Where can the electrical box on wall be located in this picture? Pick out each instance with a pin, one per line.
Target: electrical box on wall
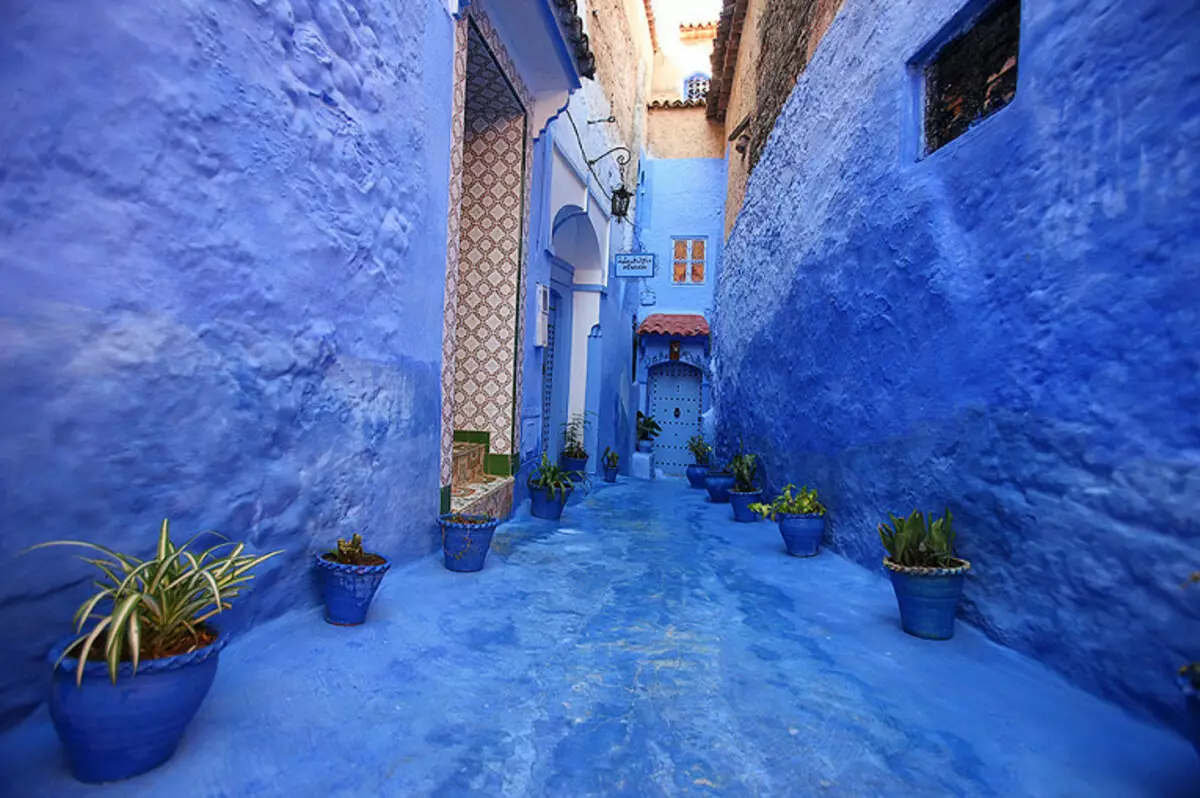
(542, 334)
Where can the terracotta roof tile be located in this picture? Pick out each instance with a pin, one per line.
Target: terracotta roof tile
(697, 103)
(681, 324)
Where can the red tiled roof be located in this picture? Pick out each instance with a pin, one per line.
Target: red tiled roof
(681, 324)
(697, 103)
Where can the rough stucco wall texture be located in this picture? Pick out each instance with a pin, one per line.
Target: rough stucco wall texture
(1007, 327)
(221, 251)
(684, 133)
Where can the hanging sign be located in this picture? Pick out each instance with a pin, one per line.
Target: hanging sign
(635, 264)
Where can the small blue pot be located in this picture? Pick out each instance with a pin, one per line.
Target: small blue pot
(112, 731)
(573, 464)
(1191, 698)
(928, 598)
(465, 546)
(718, 484)
(696, 474)
(610, 474)
(645, 447)
(544, 505)
(348, 589)
(801, 533)
(741, 501)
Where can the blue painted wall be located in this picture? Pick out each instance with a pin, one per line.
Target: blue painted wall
(682, 197)
(1007, 327)
(221, 244)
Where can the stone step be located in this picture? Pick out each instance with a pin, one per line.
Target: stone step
(491, 495)
(468, 462)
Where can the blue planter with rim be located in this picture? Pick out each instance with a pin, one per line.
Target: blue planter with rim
(645, 447)
(610, 474)
(741, 501)
(928, 598)
(546, 504)
(696, 474)
(718, 484)
(112, 731)
(349, 589)
(1191, 696)
(465, 542)
(801, 533)
(573, 464)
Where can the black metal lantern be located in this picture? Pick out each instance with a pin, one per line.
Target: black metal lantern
(620, 201)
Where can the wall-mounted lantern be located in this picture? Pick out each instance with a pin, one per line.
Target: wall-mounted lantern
(620, 202)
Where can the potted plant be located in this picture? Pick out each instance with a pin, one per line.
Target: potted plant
(610, 461)
(549, 488)
(145, 653)
(801, 519)
(574, 456)
(718, 481)
(744, 492)
(647, 431)
(926, 576)
(466, 539)
(699, 469)
(349, 579)
(1189, 683)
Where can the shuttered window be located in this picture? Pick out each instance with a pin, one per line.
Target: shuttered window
(688, 260)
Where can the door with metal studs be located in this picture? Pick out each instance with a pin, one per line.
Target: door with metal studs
(675, 391)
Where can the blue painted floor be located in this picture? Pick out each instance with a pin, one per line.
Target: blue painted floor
(647, 645)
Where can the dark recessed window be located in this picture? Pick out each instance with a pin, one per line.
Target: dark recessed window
(973, 76)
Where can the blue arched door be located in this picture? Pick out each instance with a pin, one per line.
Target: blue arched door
(675, 403)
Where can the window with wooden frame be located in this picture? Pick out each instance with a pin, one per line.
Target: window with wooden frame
(689, 259)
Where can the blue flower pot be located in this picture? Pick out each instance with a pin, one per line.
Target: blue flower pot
(718, 484)
(465, 545)
(645, 447)
(801, 533)
(610, 474)
(112, 731)
(544, 505)
(696, 474)
(573, 464)
(348, 589)
(741, 501)
(928, 598)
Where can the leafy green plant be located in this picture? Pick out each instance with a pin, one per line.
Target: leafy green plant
(573, 434)
(551, 478)
(611, 458)
(744, 468)
(803, 503)
(918, 542)
(699, 449)
(647, 428)
(157, 607)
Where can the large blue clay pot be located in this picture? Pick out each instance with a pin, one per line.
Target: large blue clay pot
(465, 540)
(928, 598)
(741, 501)
(1192, 699)
(696, 474)
(718, 484)
(547, 505)
(610, 474)
(348, 589)
(572, 464)
(112, 731)
(801, 533)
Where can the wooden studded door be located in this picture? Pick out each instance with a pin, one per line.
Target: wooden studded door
(675, 404)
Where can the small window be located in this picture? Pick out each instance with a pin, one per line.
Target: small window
(688, 260)
(696, 87)
(973, 76)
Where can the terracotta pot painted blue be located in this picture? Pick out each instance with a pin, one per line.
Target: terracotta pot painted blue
(645, 447)
(696, 474)
(112, 731)
(928, 598)
(610, 474)
(718, 484)
(543, 504)
(349, 589)
(741, 501)
(573, 464)
(801, 533)
(1192, 699)
(465, 545)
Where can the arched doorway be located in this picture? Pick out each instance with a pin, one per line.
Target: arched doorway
(676, 401)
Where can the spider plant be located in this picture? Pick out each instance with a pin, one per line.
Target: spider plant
(548, 476)
(918, 542)
(157, 607)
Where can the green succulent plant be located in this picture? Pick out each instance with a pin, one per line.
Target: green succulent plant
(918, 542)
(156, 607)
(349, 550)
(744, 468)
(699, 449)
(803, 503)
(548, 476)
(647, 428)
(611, 458)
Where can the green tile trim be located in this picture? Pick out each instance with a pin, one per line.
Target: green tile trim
(472, 436)
(500, 465)
(444, 500)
